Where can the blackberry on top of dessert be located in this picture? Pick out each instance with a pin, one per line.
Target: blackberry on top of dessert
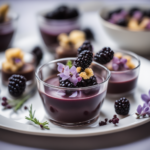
(62, 12)
(134, 19)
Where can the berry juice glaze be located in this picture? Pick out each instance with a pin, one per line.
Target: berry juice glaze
(85, 106)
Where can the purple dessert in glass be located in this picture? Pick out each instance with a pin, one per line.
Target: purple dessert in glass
(71, 106)
(51, 24)
(7, 30)
(123, 82)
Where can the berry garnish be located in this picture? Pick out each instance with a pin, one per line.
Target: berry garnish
(104, 56)
(84, 59)
(122, 22)
(122, 106)
(38, 54)
(85, 46)
(88, 78)
(88, 33)
(114, 120)
(102, 123)
(4, 98)
(66, 83)
(25, 107)
(133, 10)
(17, 85)
(62, 12)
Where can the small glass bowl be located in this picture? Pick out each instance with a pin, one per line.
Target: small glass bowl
(71, 106)
(51, 28)
(28, 70)
(7, 30)
(122, 83)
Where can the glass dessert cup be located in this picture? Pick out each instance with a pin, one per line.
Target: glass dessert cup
(28, 70)
(51, 28)
(123, 83)
(71, 106)
(7, 30)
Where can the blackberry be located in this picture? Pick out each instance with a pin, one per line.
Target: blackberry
(17, 85)
(37, 52)
(133, 10)
(87, 82)
(122, 106)
(85, 46)
(89, 34)
(66, 83)
(84, 59)
(104, 56)
(122, 22)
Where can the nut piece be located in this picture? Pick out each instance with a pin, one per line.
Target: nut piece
(75, 36)
(3, 12)
(14, 60)
(78, 69)
(72, 41)
(88, 72)
(144, 23)
(118, 55)
(133, 25)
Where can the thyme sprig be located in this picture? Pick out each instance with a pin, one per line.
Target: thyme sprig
(36, 121)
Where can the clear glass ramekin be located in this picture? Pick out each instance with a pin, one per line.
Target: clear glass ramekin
(51, 28)
(123, 83)
(7, 30)
(71, 106)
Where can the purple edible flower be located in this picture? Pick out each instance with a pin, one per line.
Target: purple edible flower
(144, 110)
(148, 26)
(70, 74)
(137, 15)
(16, 60)
(119, 64)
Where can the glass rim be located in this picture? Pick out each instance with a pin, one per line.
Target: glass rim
(13, 15)
(131, 54)
(81, 88)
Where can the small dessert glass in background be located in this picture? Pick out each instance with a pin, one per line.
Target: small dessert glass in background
(7, 30)
(51, 28)
(71, 106)
(122, 83)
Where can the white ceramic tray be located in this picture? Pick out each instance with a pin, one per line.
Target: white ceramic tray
(16, 122)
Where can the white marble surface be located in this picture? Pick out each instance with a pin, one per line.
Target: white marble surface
(135, 139)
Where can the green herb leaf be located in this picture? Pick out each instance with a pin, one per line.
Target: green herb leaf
(69, 63)
(36, 121)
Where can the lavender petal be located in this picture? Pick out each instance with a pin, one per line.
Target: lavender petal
(145, 98)
(139, 109)
(74, 94)
(60, 67)
(63, 76)
(115, 67)
(73, 70)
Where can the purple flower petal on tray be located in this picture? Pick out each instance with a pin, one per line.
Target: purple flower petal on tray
(139, 109)
(74, 94)
(145, 98)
